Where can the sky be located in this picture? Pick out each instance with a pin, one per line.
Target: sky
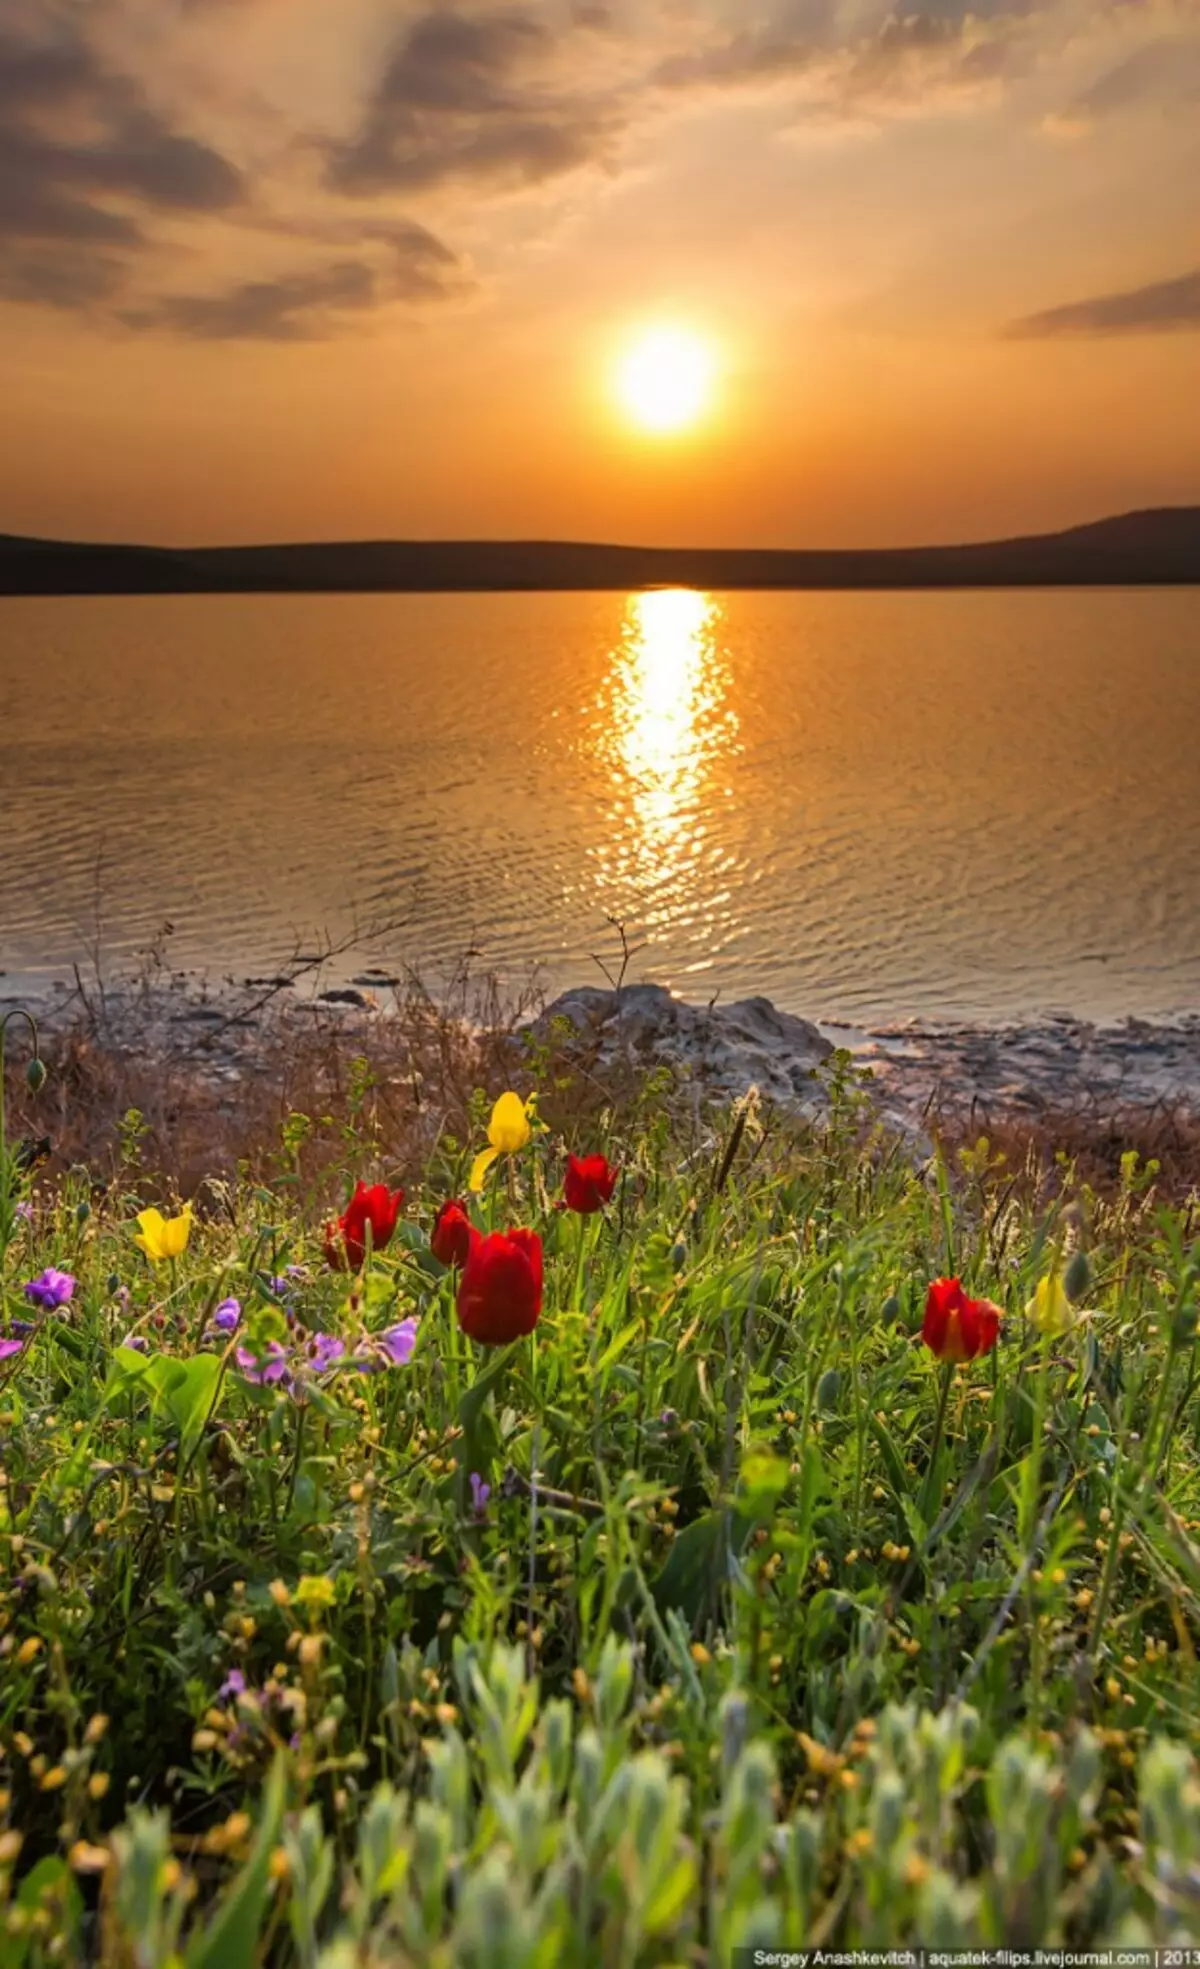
(300, 269)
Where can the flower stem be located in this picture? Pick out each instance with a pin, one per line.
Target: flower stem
(939, 1426)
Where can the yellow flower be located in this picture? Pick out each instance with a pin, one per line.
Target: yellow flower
(508, 1132)
(164, 1237)
(1050, 1309)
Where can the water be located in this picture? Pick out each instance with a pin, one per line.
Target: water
(976, 805)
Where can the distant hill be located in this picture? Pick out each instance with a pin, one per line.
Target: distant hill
(1151, 547)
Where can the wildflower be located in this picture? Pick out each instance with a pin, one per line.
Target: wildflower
(500, 1293)
(1051, 1309)
(234, 1684)
(397, 1342)
(137, 1341)
(508, 1133)
(24, 1211)
(376, 1206)
(228, 1315)
(480, 1492)
(164, 1237)
(51, 1290)
(450, 1238)
(957, 1328)
(9, 1348)
(263, 1371)
(589, 1183)
(325, 1352)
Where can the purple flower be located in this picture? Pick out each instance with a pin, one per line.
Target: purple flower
(228, 1315)
(325, 1351)
(10, 1347)
(284, 1282)
(234, 1684)
(397, 1342)
(480, 1492)
(137, 1341)
(25, 1211)
(22, 1327)
(51, 1290)
(263, 1372)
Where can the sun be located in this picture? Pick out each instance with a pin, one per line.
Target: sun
(665, 379)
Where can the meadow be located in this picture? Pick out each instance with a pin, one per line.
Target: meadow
(699, 1568)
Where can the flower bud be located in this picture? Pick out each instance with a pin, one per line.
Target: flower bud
(1183, 1329)
(1077, 1277)
(889, 1312)
(83, 1211)
(35, 1075)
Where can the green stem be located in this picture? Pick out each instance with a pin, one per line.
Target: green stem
(939, 1426)
(1031, 1469)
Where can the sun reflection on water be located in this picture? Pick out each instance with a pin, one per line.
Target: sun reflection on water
(666, 726)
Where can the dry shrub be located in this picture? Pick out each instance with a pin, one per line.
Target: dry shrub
(210, 1102)
(1068, 1146)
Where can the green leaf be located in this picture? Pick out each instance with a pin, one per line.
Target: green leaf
(696, 1568)
(891, 1456)
(50, 1885)
(231, 1939)
(763, 1480)
(670, 1897)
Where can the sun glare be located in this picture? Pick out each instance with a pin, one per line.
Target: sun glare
(665, 379)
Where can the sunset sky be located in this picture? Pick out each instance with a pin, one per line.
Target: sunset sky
(289, 269)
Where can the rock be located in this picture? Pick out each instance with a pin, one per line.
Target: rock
(724, 1050)
(343, 997)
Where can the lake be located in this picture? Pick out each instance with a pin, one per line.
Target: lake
(976, 805)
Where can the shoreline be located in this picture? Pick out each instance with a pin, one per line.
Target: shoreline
(1003, 1073)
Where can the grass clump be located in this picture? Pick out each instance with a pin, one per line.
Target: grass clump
(716, 1611)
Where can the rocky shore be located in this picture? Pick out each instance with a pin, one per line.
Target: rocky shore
(918, 1072)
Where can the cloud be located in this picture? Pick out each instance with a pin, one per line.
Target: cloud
(472, 97)
(1162, 72)
(1165, 304)
(308, 306)
(73, 135)
(887, 60)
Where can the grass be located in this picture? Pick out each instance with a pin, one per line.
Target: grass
(741, 1646)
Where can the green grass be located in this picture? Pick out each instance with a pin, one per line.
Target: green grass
(724, 1659)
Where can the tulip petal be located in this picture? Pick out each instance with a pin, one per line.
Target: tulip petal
(508, 1129)
(480, 1167)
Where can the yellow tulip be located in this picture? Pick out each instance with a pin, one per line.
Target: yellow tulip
(508, 1133)
(1050, 1309)
(164, 1237)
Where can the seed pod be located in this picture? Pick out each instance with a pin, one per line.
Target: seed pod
(83, 1211)
(889, 1312)
(1077, 1277)
(35, 1075)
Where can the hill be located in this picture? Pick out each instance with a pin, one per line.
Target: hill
(1161, 546)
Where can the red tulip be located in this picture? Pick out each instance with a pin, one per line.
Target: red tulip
(452, 1235)
(957, 1328)
(589, 1183)
(500, 1292)
(377, 1206)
